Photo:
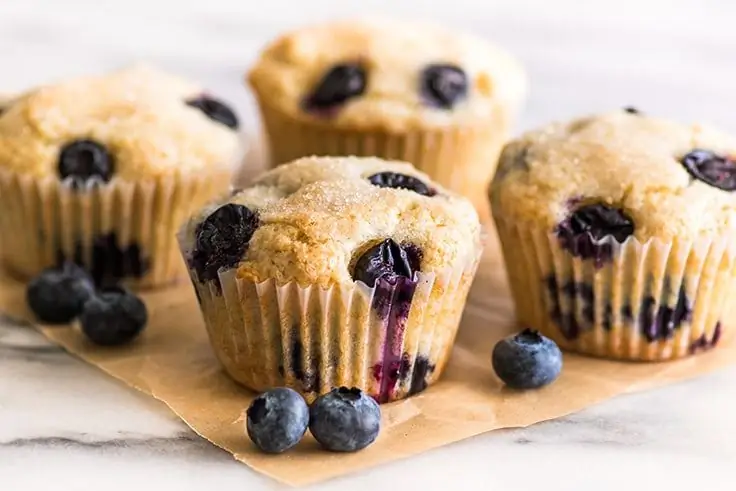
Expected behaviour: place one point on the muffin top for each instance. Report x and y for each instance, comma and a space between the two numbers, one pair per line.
134, 123
386, 74
620, 174
326, 221
5, 100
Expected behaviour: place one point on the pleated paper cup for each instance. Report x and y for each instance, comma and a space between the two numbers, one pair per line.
119, 229
647, 301
391, 341
462, 159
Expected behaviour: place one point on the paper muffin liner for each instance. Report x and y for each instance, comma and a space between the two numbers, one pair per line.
647, 301
391, 341
120, 231
462, 159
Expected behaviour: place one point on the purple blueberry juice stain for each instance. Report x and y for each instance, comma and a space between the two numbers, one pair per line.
418, 372
395, 321
391, 269
110, 263
703, 343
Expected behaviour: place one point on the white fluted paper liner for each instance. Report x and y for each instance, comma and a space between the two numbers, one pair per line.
650, 301
459, 158
313, 339
45, 220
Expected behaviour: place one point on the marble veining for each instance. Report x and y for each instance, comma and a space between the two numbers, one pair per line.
64, 425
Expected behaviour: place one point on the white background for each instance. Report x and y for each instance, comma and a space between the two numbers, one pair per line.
65, 426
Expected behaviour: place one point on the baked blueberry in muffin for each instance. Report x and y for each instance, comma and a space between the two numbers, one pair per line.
102, 170
335, 271
617, 231
418, 92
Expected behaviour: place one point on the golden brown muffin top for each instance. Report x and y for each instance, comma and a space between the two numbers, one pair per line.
139, 116
393, 70
309, 221
664, 178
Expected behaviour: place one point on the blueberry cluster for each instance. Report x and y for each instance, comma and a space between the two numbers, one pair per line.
108, 317
342, 420
527, 360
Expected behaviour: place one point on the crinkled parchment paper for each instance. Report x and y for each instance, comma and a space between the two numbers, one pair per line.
173, 362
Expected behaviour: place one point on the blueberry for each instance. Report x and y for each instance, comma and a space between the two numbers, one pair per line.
109, 262
717, 170
57, 295
83, 160
341, 83
631, 110
400, 181
216, 110
665, 320
527, 360
222, 239
443, 85
386, 260
277, 420
345, 420
703, 343
113, 317
583, 230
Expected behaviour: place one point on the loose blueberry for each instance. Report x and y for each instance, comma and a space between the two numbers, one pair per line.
57, 295
277, 420
400, 181
341, 83
113, 317
216, 110
345, 420
717, 170
583, 231
222, 239
83, 160
386, 260
631, 110
443, 85
527, 360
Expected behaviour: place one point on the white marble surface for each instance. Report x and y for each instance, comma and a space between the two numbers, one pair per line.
66, 426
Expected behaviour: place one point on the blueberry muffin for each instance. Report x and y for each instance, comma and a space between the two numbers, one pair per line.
335, 271
416, 92
617, 232
103, 170
5, 100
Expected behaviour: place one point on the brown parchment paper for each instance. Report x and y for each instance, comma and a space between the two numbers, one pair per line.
173, 363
